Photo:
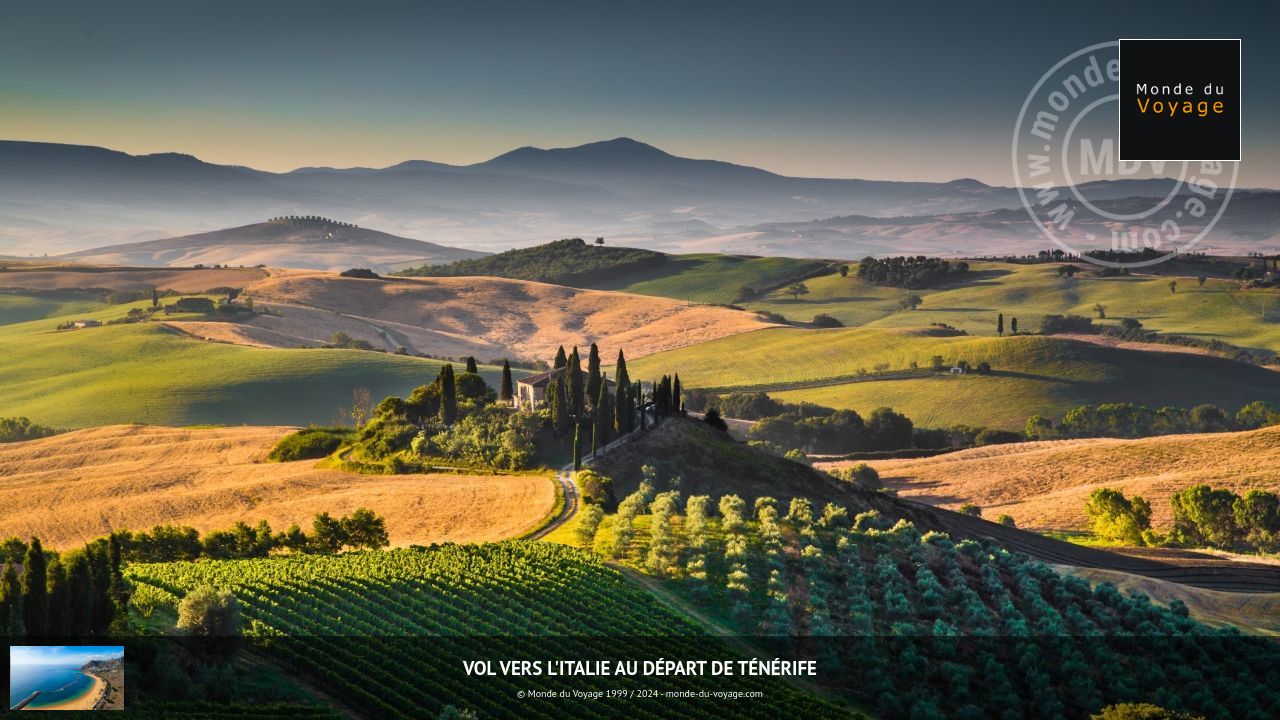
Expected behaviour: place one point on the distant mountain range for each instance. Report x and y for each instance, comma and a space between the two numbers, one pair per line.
316, 244
64, 198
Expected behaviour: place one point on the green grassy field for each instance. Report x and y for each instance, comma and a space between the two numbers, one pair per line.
23, 308
1248, 318
710, 278
150, 373
1031, 374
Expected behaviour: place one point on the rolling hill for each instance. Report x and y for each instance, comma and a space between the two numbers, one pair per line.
152, 373
487, 317
80, 485
1044, 485
310, 244
1031, 375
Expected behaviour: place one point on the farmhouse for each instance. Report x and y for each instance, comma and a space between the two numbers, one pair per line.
191, 304
531, 390
88, 323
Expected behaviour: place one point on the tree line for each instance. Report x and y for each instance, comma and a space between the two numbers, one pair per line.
913, 272
1203, 516
1127, 420
362, 529
80, 593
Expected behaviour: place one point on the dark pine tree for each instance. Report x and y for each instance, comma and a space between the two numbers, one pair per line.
1000, 324
577, 387
35, 591
677, 401
604, 418
505, 390
577, 446
103, 605
561, 360
448, 395
11, 602
80, 587
1013, 326
593, 373
155, 298
640, 400
623, 410
471, 365
59, 599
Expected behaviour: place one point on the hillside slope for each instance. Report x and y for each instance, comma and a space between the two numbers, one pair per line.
1030, 374
709, 462
311, 244
1045, 484
481, 316
80, 485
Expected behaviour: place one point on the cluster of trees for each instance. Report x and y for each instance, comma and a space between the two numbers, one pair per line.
563, 262
362, 529
811, 428
841, 431
456, 417
1127, 420
581, 405
17, 429
310, 220
343, 341
1054, 324
1203, 516
909, 272
80, 593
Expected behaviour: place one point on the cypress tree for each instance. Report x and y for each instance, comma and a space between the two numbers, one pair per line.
577, 446
576, 386
1013, 326
677, 400
35, 591
155, 298
561, 361
11, 602
505, 390
102, 604
448, 395
623, 409
1000, 324
644, 417
593, 373
558, 405
59, 598
604, 419
471, 365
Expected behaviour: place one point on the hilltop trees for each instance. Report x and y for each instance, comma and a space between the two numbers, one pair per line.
1000, 324
909, 272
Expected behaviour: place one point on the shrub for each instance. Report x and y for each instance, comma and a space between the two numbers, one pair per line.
1115, 517
594, 488
209, 613
1006, 520
309, 444
712, 418
1051, 324
823, 320
970, 509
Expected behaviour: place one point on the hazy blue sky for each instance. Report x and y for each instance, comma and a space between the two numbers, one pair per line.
62, 655
880, 90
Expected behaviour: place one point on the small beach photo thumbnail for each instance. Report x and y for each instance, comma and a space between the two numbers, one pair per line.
66, 677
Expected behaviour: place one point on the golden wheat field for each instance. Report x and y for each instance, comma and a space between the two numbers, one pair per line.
481, 316
1044, 485
73, 487
70, 277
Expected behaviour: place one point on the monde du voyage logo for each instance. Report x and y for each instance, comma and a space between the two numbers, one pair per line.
1162, 114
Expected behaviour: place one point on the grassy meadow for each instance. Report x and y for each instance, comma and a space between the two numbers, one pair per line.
151, 373
1248, 318
1030, 374
709, 277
